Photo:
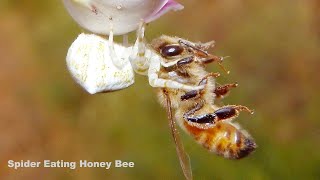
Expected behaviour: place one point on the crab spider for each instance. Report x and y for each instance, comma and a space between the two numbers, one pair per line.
101, 65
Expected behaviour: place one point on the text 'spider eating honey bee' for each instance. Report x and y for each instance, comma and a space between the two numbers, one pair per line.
195, 110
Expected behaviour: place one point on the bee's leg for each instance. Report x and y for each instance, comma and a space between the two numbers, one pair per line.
204, 80
230, 112
189, 95
212, 58
118, 62
179, 62
223, 90
186, 60
155, 81
193, 110
195, 48
137, 58
206, 45
208, 118
194, 93
224, 113
199, 51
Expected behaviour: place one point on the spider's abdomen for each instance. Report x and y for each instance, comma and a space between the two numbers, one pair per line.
90, 64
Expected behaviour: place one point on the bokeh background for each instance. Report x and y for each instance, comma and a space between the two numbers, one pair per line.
274, 49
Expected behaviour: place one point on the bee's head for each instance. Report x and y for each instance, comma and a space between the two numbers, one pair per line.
168, 47
174, 47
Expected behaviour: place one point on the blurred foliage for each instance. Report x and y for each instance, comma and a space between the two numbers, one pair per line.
274, 49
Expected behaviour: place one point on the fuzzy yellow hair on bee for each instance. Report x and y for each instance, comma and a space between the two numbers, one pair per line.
195, 110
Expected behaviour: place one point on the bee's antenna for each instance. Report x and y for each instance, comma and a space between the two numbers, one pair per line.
192, 46
221, 66
206, 45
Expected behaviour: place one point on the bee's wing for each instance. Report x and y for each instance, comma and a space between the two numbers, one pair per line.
183, 156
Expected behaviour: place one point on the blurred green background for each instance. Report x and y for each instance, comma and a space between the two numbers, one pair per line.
274, 49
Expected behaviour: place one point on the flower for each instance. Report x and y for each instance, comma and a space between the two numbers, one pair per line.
122, 16
166, 6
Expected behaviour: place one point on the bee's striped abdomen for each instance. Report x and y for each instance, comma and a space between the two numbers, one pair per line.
223, 139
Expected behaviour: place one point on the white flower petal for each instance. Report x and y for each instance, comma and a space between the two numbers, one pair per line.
123, 16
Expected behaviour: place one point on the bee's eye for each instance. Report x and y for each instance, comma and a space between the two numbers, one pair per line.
171, 50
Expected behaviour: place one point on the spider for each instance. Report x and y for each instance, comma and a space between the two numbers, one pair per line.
101, 65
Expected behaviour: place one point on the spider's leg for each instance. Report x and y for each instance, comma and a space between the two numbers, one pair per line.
221, 91
137, 58
155, 81
118, 62
125, 40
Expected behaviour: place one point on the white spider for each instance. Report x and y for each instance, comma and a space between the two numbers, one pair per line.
100, 65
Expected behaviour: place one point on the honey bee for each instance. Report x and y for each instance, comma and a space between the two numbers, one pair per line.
195, 111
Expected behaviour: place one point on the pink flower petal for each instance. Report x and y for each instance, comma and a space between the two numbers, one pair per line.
165, 6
